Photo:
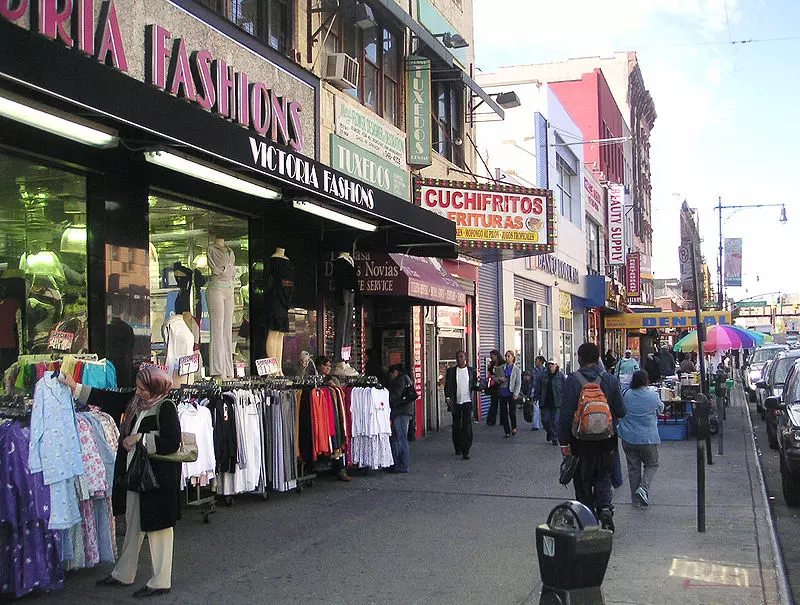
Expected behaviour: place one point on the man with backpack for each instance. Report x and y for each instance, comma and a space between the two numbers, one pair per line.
590, 411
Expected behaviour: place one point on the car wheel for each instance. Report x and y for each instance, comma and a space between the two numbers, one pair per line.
791, 489
772, 437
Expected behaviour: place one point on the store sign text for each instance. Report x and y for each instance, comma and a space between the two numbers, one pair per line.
418, 111
594, 196
557, 267
634, 275
616, 225
368, 167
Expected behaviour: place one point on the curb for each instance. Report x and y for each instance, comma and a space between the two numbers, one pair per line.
784, 593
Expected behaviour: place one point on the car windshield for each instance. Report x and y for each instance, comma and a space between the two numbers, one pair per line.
764, 355
782, 367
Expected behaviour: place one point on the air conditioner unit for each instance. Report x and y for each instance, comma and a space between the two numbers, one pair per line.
341, 70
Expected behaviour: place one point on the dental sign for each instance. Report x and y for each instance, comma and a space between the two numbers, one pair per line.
172, 63
492, 216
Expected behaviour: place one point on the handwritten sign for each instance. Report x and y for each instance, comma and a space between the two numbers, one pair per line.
147, 364
60, 341
267, 366
189, 364
346, 353
241, 369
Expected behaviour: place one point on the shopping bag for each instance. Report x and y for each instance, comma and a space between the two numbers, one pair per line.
527, 410
537, 416
141, 477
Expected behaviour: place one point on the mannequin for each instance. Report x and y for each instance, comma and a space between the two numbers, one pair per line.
179, 340
279, 299
219, 295
345, 278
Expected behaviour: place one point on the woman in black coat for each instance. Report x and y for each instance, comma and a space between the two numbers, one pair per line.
151, 419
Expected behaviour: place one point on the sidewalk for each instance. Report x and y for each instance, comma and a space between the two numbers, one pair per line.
455, 531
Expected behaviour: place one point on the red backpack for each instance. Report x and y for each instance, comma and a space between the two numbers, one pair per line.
593, 420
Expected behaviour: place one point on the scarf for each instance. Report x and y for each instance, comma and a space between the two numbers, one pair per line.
157, 383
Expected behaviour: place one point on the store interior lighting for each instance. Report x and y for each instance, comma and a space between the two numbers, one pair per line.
205, 172
332, 215
51, 120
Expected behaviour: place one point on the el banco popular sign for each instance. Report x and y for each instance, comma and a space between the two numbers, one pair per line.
492, 216
667, 320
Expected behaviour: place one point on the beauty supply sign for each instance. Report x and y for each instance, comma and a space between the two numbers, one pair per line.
616, 225
492, 216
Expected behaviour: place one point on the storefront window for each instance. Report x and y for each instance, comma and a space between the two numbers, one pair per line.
543, 330
592, 247
302, 336
267, 20
566, 344
42, 258
182, 238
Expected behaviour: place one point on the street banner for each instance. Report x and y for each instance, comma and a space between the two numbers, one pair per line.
616, 225
733, 261
634, 275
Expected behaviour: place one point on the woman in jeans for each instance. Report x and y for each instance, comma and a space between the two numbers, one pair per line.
552, 392
639, 433
510, 386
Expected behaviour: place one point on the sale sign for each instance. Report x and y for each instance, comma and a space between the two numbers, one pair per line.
492, 216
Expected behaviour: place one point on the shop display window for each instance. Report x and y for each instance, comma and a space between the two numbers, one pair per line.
180, 236
302, 336
42, 257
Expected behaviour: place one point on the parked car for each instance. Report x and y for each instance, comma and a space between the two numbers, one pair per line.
775, 373
755, 365
787, 407
761, 393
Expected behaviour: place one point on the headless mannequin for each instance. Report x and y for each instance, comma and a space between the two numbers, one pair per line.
346, 282
274, 346
219, 295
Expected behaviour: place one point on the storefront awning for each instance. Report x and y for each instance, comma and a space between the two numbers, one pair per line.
400, 275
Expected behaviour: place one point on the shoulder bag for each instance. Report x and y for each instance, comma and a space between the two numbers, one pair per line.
186, 452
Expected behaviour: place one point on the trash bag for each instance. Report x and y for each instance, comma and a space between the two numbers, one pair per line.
141, 477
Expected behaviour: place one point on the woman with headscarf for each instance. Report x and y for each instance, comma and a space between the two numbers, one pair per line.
149, 418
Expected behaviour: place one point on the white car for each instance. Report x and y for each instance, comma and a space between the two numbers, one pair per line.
755, 366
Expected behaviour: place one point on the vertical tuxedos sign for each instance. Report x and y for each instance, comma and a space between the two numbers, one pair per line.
418, 111
616, 225
733, 261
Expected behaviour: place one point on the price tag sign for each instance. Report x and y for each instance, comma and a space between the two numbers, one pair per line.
346, 353
147, 364
241, 369
267, 366
189, 364
60, 341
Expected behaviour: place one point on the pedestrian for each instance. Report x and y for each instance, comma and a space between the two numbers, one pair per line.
493, 373
626, 368
652, 367
687, 366
666, 363
551, 397
460, 386
639, 433
592, 479
509, 394
539, 370
401, 401
610, 361
150, 419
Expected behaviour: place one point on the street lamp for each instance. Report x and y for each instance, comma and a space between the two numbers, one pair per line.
719, 208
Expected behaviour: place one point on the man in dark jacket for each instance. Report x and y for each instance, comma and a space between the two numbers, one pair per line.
552, 395
402, 410
539, 370
666, 363
460, 385
592, 479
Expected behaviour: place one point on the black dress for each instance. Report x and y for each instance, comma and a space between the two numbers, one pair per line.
280, 293
159, 508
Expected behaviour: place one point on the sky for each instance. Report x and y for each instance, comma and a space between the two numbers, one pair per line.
727, 124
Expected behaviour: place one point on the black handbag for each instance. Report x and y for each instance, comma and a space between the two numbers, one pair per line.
527, 409
567, 470
141, 477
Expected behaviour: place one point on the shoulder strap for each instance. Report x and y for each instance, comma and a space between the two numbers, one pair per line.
581, 378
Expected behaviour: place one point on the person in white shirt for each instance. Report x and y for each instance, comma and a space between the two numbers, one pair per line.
460, 385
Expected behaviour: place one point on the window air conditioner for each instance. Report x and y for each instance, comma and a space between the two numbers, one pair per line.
341, 70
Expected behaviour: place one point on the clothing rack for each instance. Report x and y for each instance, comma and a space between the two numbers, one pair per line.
14, 407
362, 381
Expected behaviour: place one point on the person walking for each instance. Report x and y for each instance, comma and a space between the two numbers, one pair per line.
509, 393
460, 385
493, 373
625, 369
651, 366
402, 405
539, 370
666, 363
551, 398
592, 479
639, 433
150, 419
610, 361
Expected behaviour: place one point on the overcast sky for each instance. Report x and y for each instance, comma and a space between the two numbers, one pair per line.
727, 113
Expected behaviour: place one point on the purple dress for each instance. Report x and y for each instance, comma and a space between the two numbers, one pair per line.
29, 552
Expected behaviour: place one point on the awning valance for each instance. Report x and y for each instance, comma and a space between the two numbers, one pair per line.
418, 278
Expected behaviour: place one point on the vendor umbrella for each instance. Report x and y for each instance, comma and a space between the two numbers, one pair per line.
759, 337
718, 338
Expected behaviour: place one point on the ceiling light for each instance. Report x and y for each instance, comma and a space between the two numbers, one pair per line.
323, 212
507, 100
205, 172
56, 122
74, 240
363, 18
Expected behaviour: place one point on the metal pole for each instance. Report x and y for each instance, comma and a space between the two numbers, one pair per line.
699, 321
701, 487
721, 423
719, 265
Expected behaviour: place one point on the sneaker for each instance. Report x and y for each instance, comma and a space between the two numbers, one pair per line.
606, 518
466, 456
643, 496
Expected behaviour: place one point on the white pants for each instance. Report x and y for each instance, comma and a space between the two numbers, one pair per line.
220, 314
160, 549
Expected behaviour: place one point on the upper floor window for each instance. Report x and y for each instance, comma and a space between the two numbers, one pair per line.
267, 20
592, 247
448, 127
564, 185
379, 52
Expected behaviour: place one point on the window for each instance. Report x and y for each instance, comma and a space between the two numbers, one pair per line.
268, 20
448, 108
564, 182
525, 332
566, 344
592, 247
379, 53
543, 330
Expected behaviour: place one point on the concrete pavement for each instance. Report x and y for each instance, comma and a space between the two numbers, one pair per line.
455, 531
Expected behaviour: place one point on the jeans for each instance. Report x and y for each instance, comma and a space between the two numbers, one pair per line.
462, 428
639, 456
592, 481
550, 418
399, 442
508, 413
344, 324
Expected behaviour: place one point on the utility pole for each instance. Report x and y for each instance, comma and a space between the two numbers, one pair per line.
719, 262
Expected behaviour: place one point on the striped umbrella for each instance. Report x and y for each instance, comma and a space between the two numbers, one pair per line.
718, 338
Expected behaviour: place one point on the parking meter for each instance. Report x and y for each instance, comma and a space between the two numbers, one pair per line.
573, 553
